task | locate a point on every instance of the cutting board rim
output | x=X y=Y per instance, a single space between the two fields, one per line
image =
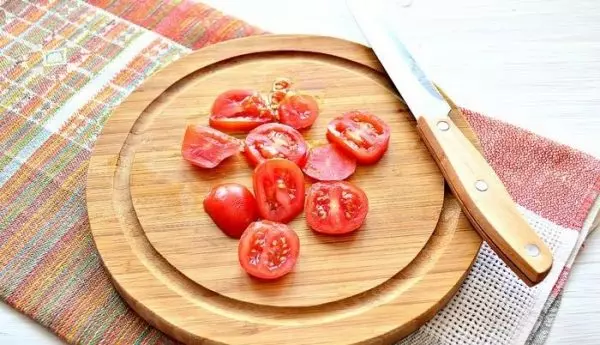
x=97 y=169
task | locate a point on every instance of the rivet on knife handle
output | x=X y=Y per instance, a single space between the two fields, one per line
x=485 y=200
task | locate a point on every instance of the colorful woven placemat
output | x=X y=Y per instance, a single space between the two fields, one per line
x=64 y=65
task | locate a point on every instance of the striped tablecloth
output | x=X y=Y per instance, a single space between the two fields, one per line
x=64 y=65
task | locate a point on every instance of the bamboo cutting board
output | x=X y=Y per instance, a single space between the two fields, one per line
x=178 y=271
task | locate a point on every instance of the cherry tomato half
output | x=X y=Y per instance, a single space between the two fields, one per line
x=279 y=189
x=206 y=147
x=335 y=208
x=361 y=134
x=298 y=111
x=240 y=111
x=268 y=250
x=329 y=163
x=232 y=207
x=275 y=140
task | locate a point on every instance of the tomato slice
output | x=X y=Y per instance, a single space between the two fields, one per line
x=275 y=140
x=361 y=134
x=329 y=163
x=206 y=147
x=239 y=110
x=279 y=189
x=298 y=111
x=232 y=207
x=336 y=208
x=268 y=250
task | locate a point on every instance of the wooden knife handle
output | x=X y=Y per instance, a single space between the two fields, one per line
x=485 y=200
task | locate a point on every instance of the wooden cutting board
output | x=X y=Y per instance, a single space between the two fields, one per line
x=179 y=272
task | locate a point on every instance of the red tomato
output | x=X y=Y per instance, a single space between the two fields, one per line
x=207 y=147
x=239 y=110
x=335 y=208
x=268 y=250
x=298 y=111
x=329 y=163
x=279 y=189
x=361 y=134
x=232 y=207
x=275 y=140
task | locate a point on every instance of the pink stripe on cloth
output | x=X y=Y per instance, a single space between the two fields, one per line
x=555 y=181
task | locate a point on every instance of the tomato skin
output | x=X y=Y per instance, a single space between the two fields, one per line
x=329 y=163
x=336 y=208
x=279 y=189
x=360 y=134
x=206 y=147
x=239 y=111
x=275 y=140
x=268 y=250
x=232 y=207
x=298 y=111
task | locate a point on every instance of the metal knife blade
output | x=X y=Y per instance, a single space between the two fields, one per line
x=418 y=91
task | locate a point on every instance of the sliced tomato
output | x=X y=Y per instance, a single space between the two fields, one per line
x=206 y=147
x=275 y=140
x=299 y=111
x=268 y=250
x=361 y=134
x=279 y=189
x=336 y=208
x=329 y=163
x=232 y=207
x=239 y=111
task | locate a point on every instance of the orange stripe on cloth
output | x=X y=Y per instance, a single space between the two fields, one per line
x=188 y=22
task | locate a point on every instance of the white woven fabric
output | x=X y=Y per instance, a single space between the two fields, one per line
x=493 y=306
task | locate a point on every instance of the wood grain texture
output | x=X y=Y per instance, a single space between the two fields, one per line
x=490 y=208
x=175 y=268
x=405 y=189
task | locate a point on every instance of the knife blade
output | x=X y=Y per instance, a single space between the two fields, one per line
x=480 y=192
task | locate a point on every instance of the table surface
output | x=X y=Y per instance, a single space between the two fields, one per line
x=534 y=63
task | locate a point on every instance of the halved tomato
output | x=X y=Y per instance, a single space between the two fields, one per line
x=329 y=163
x=232 y=207
x=268 y=250
x=299 y=111
x=336 y=208
x=361 y=134
x=279 y=189
x=239 y=111
x=206 y=147
x=275 y=140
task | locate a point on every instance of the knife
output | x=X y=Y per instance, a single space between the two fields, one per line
x=481 y=194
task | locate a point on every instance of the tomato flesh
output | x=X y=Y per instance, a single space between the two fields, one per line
x=279 y=189
x=329 y=163
x=232 y=207
x=268 y=250
x=206 y=147
x=336 y=208
x=239 y=110
x=298 y=111
x=275 y=140
x=280 y=88
x=361 y=134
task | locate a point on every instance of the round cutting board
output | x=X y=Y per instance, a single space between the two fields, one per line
x=178 y=271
